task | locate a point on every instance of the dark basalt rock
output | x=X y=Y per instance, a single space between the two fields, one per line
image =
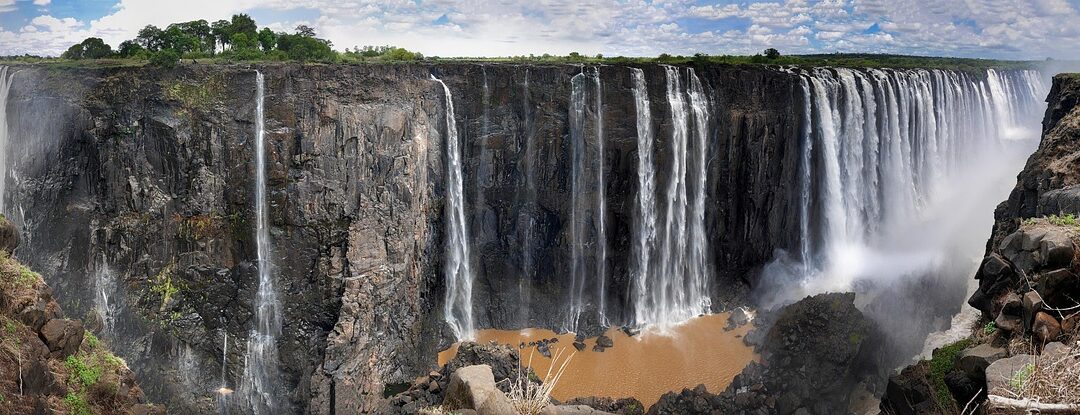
x=815 y=353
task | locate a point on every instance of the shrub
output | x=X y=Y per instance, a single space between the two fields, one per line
x=91 y=340
x=83 y=372
x=990 y=328
x=76 y=404
x=167 y=59
x=941 y=364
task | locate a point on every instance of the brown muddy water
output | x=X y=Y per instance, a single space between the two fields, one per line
x=644 y=366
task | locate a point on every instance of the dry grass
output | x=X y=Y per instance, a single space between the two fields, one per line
x=529 y=397
x=1049 y=379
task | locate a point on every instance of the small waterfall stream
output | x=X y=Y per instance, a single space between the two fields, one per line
x=578 y=204
x=458 y=269
x=601 y=205
x=260 y=380
x=529 y=207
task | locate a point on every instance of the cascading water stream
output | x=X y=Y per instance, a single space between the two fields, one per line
x=529 y=212
x=5 y=89
x=457 y=309
x=672 y=276
x=577 y=203
x=259 y=388
x=601 y=205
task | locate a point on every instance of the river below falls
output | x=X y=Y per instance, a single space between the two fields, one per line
x=644 y=366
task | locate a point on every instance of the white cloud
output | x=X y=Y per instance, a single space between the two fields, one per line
x=42 y=2
x=988 y=28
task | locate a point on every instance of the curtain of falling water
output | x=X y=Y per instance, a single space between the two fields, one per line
x=672 y=277
x=601 y=233
x=578 y=204
x=889 y=143
x=5 y=88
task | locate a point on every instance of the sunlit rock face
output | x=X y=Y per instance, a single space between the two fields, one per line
x=136 y=192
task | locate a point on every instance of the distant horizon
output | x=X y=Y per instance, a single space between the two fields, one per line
x=1027 y=30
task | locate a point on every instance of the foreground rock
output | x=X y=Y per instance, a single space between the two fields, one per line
x=815 y=354
x=49 y=364
x=473 y=387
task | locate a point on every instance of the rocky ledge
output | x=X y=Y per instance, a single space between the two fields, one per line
x=49 y=364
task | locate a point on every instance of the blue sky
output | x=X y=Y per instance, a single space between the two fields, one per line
x=1012 y=29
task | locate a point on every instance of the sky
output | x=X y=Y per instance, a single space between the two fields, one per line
x=1004 y=29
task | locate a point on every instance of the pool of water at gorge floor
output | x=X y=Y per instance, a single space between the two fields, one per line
x=644 y=366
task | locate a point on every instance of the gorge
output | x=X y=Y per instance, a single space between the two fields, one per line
x=344 y=223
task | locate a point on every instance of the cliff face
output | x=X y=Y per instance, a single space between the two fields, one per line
x=135 y=189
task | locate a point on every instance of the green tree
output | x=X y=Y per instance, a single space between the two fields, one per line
x=305 y=48
x=241 y=41
x=221 y=30
x=130 y=49
x=91 y=48
x=305 y=30
x=267 y=39
x=242 y=23
x=74 y=52
x=772 y=53
x=151 y=38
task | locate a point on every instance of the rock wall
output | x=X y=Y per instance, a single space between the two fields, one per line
x=135 y=190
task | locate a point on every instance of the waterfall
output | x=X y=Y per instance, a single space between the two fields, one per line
x=457 y=309
x=645 y=213
x=104 y=293
x=601 y=233
x=261 y=366
x=577 y=203
x=675 y=287
x=528 y=213
x=894 y=161
x=5 y=89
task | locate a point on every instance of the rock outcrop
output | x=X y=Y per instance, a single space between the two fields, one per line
x=48 y=363
x=815 y=353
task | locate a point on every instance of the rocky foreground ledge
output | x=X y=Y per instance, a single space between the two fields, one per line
x=49 y=364
x=816 y=353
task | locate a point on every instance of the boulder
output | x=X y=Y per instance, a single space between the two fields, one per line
x=1009 y=323
x=974 y=361
x=9 y=236
x=473 y=387
x=502 y=359
x=739 y=317
x=604 y=341
x=995 y=275
x=1071 y=323
x=622 y=406
x=909 y=392
x=1058 y=287
x=1046 y=328
x=1053 y=352
x=1033 y=303
x=1056 y=249
x=63 y=336
x=1060 y=201
x=1002 y=371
